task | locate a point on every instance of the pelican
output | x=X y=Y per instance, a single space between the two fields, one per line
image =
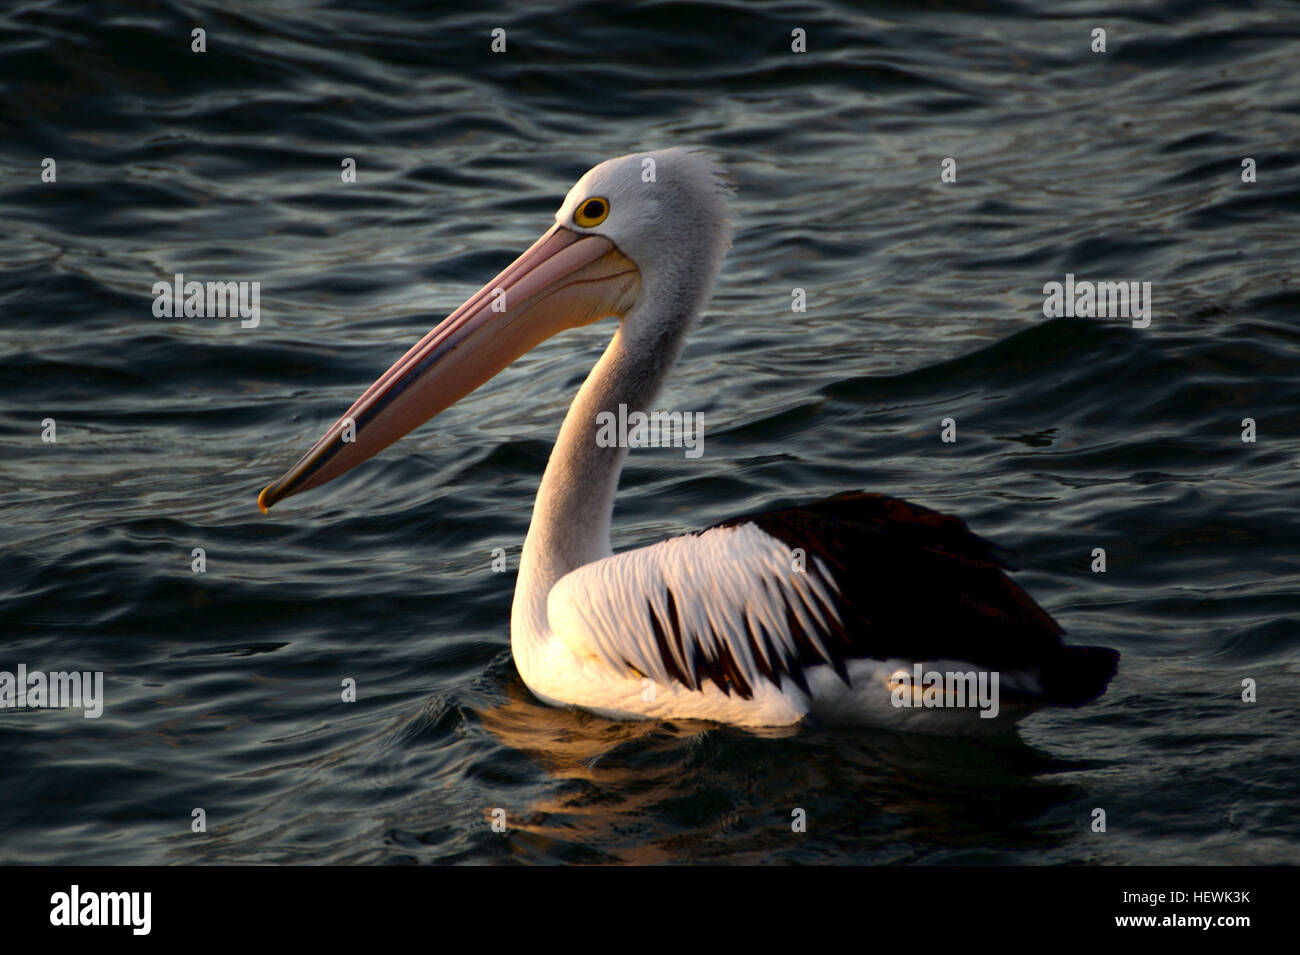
x=839 y=611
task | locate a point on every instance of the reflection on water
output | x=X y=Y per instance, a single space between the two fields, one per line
x=651 y=792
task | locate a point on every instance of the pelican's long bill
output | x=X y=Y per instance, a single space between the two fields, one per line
x=564 y=280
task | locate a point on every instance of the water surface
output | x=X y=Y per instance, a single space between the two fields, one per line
x=925 y=302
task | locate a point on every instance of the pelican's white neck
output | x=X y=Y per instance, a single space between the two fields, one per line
x=669 y=216
x=575 y=502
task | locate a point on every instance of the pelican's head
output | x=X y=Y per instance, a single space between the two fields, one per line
x=666 y=211
x=648 y=225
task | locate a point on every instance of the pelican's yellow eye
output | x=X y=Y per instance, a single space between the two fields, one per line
x=592 y=212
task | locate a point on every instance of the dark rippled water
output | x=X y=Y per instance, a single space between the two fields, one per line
x=925 y=302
